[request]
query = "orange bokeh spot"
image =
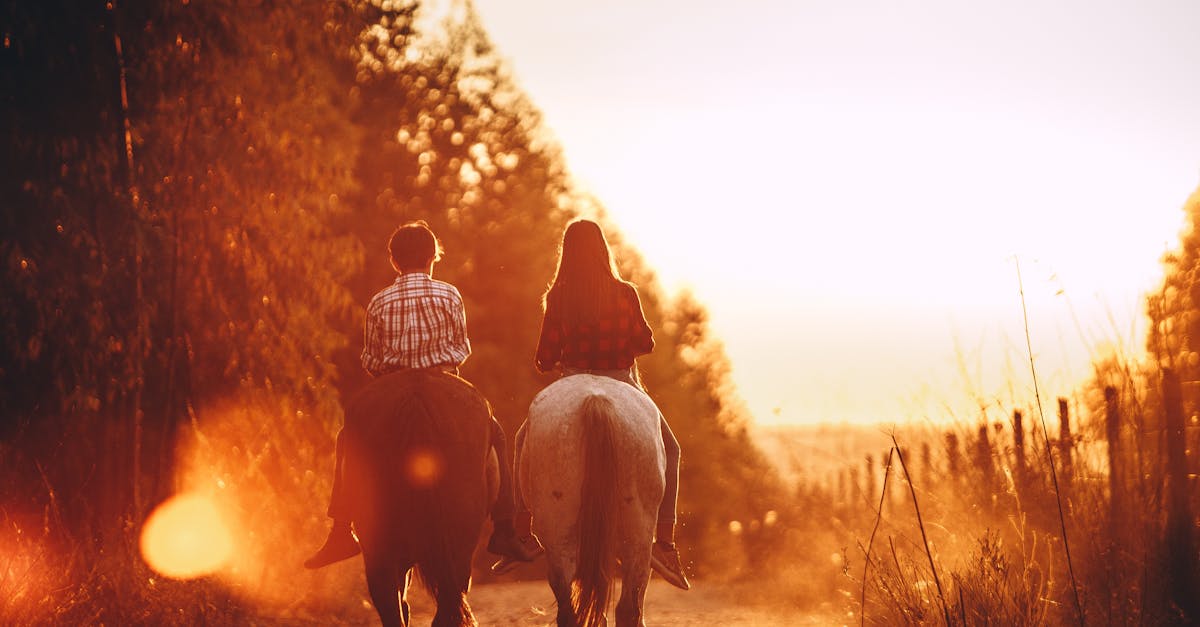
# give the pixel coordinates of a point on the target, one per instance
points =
(424, 468)
(184, 537)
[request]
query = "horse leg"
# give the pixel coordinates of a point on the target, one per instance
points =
(629, 608)
(560, 577)
(450, 573)
(635, 576)
(453, 609)
(383, 584)
(562, 596)
(405, 610)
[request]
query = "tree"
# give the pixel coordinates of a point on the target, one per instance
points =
(1174, 333)
(175, 171)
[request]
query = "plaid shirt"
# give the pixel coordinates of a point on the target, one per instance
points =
(610, 343)
(416, 322)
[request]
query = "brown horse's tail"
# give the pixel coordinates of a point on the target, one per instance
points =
(426, 515)
(598, 501)
(434, 511)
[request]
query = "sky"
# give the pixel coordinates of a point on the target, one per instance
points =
(850, 186)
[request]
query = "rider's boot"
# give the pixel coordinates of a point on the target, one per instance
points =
(341, 544)
(664, 559)
(512, 546)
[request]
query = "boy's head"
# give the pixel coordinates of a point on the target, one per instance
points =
(413, 246)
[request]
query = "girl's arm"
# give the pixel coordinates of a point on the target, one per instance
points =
(549, 348)
(643, 338)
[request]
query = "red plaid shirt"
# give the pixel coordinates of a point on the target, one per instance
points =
(611, 342)
(416, 322)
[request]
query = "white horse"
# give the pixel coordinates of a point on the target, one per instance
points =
(591, 471)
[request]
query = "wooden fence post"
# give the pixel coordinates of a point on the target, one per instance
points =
(885, 459)
(1180, 550)
(1112, 432)
(1064, 444)
(984, 462)
(926, 463)
(871, 477)
(1018, 423)
(953, 456)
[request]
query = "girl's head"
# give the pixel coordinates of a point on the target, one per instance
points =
(584, 254)
(585, 282)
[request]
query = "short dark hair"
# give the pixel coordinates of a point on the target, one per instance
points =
(413, 245)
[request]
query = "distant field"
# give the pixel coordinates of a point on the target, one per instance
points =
(819, 452)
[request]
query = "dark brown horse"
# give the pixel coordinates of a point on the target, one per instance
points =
(423, 477)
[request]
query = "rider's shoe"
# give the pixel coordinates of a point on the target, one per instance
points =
(340, 545)
(513, 550)
(504, 565)
(664, 559)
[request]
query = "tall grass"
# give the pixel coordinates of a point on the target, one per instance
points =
(1058, 496)
(994, 530)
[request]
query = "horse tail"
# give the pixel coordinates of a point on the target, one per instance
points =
(443, 559)
(598, 502)
(432, 569)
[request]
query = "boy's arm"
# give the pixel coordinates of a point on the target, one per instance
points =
(458, 330)
(372, 344)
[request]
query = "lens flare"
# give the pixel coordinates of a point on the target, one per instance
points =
(184, 537)
(424, 468)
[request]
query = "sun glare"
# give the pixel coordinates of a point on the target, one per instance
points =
(424, 468)
(185, 537)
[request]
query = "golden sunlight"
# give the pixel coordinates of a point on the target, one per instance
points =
(185, 537)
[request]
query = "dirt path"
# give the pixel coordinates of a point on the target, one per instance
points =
(532, 603)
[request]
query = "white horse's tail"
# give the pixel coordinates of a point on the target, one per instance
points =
(593, 578)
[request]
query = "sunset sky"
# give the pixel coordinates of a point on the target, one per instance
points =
(846, 185)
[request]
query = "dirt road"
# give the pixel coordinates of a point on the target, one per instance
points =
(532, 603)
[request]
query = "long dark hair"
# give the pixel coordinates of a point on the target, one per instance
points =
(586, 282)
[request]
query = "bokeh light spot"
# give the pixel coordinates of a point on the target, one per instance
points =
(185, 537)
(424, 467)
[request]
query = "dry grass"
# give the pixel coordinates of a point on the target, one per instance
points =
(58, 566)
(994, 535)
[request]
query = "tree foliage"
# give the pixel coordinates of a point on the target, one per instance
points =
(1174, 337)
(175, 171)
